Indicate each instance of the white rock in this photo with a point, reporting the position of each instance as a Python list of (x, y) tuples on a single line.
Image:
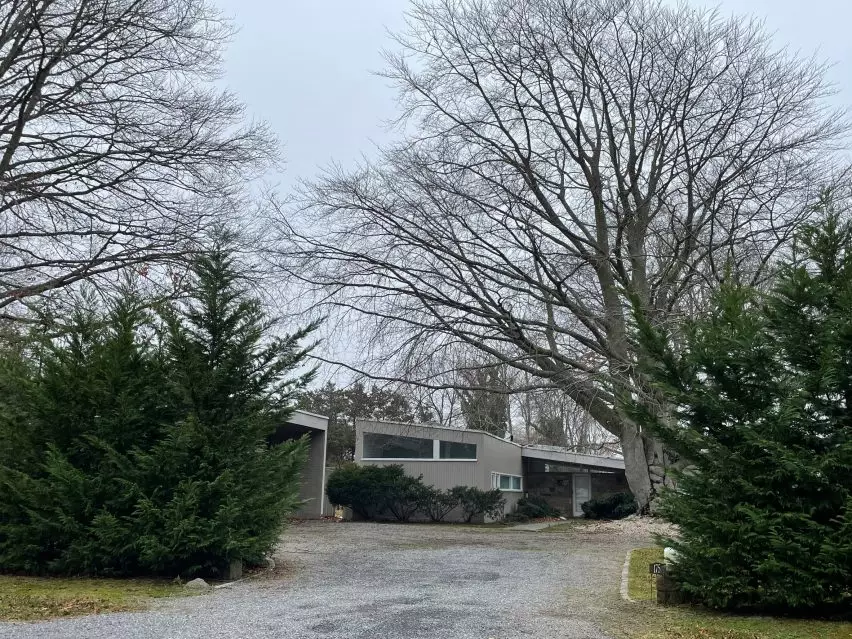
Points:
[(670, 555), (197, 583)]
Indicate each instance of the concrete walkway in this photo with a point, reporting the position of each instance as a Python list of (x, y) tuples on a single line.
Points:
[(390, 581), (536, 526)]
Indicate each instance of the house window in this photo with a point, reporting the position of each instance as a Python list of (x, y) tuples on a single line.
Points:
[(380, 446), (510, 483), (457, 450)]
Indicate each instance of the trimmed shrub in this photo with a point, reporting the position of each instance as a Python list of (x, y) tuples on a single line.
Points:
[(364, 489), (615, 506), (436, 503), (475, 502), (403, 496), (535, 508)]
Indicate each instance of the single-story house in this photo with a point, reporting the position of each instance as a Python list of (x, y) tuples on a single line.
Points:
[(312, 490), (448, 457)]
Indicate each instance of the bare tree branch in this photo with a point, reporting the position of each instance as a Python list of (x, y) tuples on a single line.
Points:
[(564, 159), (115, 150)]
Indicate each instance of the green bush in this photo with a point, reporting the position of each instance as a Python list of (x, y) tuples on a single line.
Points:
[(367, 489), (141, 441), (615, 506), (535, 508), (436, 503), (759, 399), (475, 502), (382, 492), (404, 495)]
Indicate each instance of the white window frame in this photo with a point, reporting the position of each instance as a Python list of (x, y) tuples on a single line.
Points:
[(436, 451), (495, 482)]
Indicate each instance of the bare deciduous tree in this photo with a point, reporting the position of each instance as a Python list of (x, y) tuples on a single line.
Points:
[(484, 397), (562, 160), (552, 418), (115, 148)]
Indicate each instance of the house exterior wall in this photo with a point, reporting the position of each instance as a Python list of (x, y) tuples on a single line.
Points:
[(546, 473), (557, 488), (501, 456), (492, 455), (604, 484), (312, 488), (313, 475), (441, 474)]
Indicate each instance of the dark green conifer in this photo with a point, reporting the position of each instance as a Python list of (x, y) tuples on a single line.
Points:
[(761, 413)]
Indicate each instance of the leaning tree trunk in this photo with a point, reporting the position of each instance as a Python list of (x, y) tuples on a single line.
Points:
[(645, 462), (645, 466)]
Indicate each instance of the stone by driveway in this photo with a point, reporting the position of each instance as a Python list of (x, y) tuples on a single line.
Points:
[(389, 581)]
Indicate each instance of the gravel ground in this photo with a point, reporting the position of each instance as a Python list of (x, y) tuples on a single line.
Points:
[(388, 581)]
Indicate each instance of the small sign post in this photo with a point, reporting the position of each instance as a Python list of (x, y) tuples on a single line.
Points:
[(657, 569)]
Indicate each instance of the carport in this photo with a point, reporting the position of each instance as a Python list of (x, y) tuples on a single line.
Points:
[(312, 490), (565, 480)]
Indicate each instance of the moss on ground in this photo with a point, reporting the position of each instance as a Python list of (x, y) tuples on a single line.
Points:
[(31, 598), (646, 620)]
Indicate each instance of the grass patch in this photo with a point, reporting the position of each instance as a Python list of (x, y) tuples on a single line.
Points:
[(641, 585), (693, 624), (649, 621), (31, 598)]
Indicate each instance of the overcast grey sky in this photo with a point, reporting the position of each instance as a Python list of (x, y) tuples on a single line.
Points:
[(305, 66)]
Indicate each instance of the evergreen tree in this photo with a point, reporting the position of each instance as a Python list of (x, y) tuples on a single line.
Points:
[(760, 410), (141, 445), (84, 404), (217, 492)]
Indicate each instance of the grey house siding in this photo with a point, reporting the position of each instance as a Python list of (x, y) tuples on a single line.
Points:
[(545, 471), (312, 488), (504, 457), (441, 474), (493, 455), (313, 476)]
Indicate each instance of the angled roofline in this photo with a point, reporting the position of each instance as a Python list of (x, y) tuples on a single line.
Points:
[(568, 457), (530, 451), (308, 420)]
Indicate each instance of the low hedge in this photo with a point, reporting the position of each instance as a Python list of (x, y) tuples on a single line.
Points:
[(615, 506), (535, 508), (386, 492)]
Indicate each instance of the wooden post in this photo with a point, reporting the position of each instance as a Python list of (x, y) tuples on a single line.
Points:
[(668, 594), (234, 570)]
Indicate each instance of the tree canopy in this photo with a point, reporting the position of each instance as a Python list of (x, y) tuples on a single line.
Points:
[(118, 152), (561, 158)]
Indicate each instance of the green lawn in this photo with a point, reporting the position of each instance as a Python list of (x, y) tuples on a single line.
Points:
[(684, 622), (641, 584), (30, 598)]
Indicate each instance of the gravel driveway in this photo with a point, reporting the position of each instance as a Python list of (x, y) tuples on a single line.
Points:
[(388, 581)]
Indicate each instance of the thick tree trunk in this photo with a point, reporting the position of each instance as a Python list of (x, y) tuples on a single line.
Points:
[(645, 462), (645, 465)]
